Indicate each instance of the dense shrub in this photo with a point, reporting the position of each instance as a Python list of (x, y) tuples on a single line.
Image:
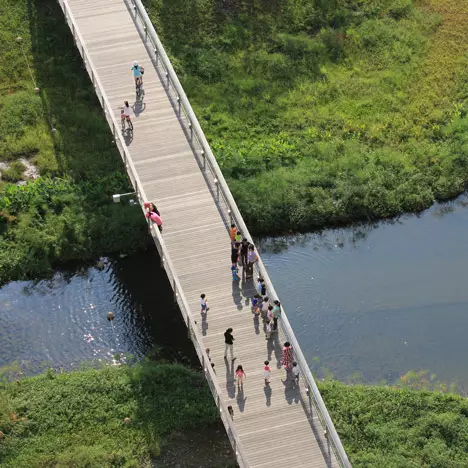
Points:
[(328, 112)]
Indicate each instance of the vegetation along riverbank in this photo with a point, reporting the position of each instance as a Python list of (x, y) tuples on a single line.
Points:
[(79, 418), (324, 113), (66, 213)]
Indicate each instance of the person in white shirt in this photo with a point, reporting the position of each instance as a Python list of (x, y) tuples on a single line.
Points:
[(295, 372)]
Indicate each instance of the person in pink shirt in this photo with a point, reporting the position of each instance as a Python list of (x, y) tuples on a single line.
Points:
[(154, 214)]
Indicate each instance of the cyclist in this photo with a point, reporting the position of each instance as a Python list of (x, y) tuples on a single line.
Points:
[(126, 113), (137, 73)]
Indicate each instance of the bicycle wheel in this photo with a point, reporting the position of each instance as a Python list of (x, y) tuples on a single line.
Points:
[(130, 124)]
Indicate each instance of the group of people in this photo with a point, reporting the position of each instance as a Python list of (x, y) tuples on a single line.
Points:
[(126, 110), (243, 254)]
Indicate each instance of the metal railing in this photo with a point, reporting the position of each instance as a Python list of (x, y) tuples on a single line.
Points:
[(193, 332), (228, 208)]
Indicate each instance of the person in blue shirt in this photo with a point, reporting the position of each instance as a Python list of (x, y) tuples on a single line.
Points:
[(137, 73)]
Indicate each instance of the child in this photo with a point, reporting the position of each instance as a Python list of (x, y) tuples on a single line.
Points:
[(234, 270), (240, 376), (203, 304), (238, 237), (295, 372), (267, 329), (259, 286), (232, 233), (267, 372), (255, 301)]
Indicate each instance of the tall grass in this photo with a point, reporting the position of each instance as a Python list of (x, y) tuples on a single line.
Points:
[(325, 113), (67, 214), (78, 418)]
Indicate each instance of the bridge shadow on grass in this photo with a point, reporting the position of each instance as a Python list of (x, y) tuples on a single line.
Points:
[(83, 146), (83, 141)]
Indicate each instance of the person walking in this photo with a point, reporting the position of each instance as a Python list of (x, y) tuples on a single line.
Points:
[(235, 253), (240, 376), (244, 252), (252, 258), (267, 372), (229, 344), (287, 355), (232, 233), (204, 304), (276, 313), (295, 372), (264, 307), (260, 287), (267, 329)]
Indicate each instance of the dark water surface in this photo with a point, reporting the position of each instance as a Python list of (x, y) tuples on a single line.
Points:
[(380, 300), (63, 321)]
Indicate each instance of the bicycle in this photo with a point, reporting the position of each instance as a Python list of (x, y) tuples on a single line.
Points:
[(139, 87), (126, 121)]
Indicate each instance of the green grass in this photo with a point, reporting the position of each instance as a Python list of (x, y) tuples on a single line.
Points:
[(67, 214), (395, 428), (77, 419), (323, 113)]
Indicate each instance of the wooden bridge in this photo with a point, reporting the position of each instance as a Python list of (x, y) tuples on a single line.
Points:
[(170, 163)]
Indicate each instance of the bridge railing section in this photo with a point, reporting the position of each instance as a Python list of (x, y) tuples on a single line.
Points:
[(193, 331), (227, 204)]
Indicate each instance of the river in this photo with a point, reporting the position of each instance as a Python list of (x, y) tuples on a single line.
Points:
[(377, 300)]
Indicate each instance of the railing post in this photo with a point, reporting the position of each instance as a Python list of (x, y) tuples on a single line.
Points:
[(204, 159), (190, 126), (167, 77), (174, 288), (156, 57)]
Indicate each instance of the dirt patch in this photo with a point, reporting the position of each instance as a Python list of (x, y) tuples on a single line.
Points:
[(205, 448)]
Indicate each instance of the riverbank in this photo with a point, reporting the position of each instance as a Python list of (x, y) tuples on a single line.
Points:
[(114, 416), (325, 113), (81, 417), (61, 208)]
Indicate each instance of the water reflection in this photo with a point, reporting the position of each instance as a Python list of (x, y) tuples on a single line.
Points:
[(380, 299), (63, 320)]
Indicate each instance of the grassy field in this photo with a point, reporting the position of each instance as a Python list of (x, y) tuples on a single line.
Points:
[(78, 419), (67, 213), (325, 113)]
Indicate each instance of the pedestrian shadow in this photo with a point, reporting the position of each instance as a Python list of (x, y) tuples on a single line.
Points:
[(274, 347), (267, 390), (236, 295), (204, 323), (292, 393), (128, 137), (241, 399), (230, 384), (256, 323), (138, 107)]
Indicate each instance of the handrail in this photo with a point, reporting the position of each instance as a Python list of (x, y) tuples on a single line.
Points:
[(163, 252), (234, 214)]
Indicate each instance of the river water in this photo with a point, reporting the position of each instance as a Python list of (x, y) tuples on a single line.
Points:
[(378, 300), (62, 321), (381, 299)]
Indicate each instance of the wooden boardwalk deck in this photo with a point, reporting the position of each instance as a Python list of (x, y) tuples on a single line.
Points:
[(274, 424)]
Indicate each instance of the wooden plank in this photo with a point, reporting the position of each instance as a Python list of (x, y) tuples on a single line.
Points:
[(196, 238)]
